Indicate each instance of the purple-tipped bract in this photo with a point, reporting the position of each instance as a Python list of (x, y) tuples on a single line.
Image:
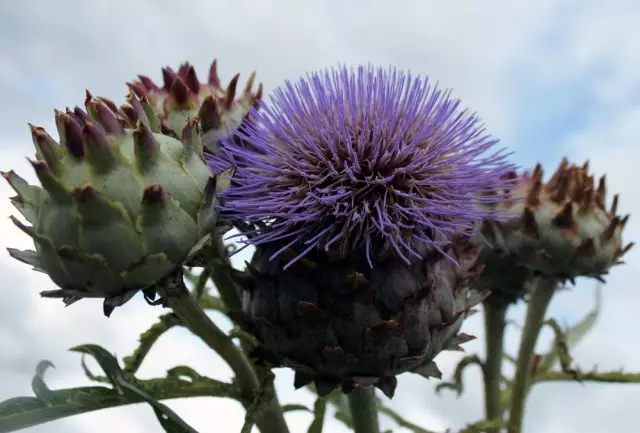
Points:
[(370, 159)]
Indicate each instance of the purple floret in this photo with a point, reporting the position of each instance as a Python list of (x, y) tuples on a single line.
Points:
[(370, 159)]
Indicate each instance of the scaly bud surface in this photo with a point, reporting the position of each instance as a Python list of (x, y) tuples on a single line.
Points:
[(182, 97), (120, 205), (560, 228)]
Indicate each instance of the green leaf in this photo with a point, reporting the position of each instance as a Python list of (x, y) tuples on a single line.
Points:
[(90, 375), (295, 407), (319, 410), (23, 412), (107, 362), (169, 424), (38, 386), (456, 384), (167, 417), (573, 335)]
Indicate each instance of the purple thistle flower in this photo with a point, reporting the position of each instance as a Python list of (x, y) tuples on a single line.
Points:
[(371, 160)]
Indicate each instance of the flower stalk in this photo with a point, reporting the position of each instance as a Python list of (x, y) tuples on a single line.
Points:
[(542, 292), (494, 320), (197, 321), (364, 410)]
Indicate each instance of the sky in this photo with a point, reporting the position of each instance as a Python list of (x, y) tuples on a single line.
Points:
[(550, 78)]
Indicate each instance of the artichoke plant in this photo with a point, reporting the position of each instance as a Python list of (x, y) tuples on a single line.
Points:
[(120, 205), (381, 214), (359, 190)]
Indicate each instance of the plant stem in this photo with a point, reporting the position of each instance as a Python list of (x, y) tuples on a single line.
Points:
[(223, 279), (591, 376), (542, 292), (494, 322), (364, 410), (186, 307), (230, 293)]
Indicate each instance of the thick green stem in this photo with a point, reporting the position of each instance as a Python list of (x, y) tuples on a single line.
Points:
[(364, 410), (542, 292), (230, 293), (494, 322), (184, 305)]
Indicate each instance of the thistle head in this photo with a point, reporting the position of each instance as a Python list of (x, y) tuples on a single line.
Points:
[(182, 96), (370, 160)]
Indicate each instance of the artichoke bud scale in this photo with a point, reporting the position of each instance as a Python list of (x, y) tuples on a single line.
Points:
[(27, 210), (102, 155), (145, 147), (27, 193), (30, 257), (100, 111), (208, 214), (73, 140), (164, 225), (58, 192), (175, 180), (154, 122), (144, 273), (105, 227), (47, 149)]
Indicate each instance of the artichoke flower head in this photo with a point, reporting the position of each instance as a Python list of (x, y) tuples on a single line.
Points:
[(561, 228), (183, 96), (359, 189), (120, 205)]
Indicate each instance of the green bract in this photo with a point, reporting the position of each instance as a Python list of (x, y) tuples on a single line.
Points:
[(182, 96), (121, 205), (561, 228)]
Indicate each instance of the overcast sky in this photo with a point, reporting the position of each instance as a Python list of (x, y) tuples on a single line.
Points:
[(549, 77)]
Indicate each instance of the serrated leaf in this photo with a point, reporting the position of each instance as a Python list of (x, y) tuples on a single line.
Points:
[(38, 385), (109, 365), (105, 360), (22, 412), (574, 334), (87, 372)]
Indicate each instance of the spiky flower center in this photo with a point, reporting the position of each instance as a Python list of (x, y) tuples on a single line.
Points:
[(368, 159)]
